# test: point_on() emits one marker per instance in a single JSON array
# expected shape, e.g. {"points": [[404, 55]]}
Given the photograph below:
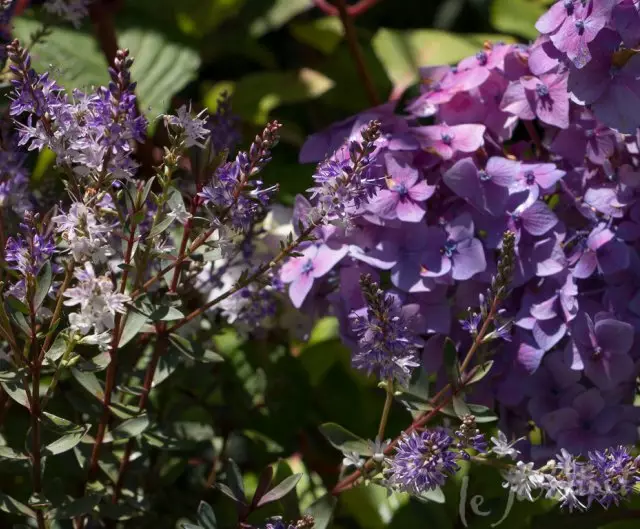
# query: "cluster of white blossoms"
{"points": [[86, 235], [98, 305]]}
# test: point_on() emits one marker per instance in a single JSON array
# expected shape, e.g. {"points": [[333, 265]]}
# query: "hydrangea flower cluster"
{"points": [[541, 141]]}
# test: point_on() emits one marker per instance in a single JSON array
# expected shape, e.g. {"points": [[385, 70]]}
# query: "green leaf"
{"points": [[13, 506], [57, 349], [322, 511], [517, 17], [162, 68], [266, 476], [206, 517], [89, 382], [73, 508], [323, 34], [257, 94], [6, 452], [75, 56], [134, 324], [281, 489], [479, 372], [235, 483], [451, 361], [43, 284], [16, 391], [482, 413], [277, 15], [59, 424], [66, 442], [435, 495], [371, 506], [403, 52], [194, 350], [160, 227], [165, 313], [129, 428], [460, 407], [344, 440]]}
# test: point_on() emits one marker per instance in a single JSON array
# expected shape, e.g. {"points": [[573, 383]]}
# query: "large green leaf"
{"points": [[517, 17], [74, 56], [161, 68], [278, 14], [323, 34], [403, 52], [257, 94]]}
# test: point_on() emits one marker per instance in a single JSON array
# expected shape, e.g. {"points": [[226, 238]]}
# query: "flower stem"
{"points": [[356, 51], [385, 411], [438, 402], [113, 365]]}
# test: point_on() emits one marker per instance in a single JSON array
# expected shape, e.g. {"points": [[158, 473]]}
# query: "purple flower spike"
{"points": [[405, 194], [447, 141], [301, 272], [601, 349], [422, 461]]}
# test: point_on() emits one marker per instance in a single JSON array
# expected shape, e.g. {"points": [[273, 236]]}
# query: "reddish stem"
{"points": [[354, 11], [356, 51], [113, 366]]}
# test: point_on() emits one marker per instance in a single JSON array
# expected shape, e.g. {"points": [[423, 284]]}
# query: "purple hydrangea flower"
{"points": [[486, 189], [544, 97], [453, 250], [301, 272], [405, 194], [601, 349], [448, 141], [572, 24]]}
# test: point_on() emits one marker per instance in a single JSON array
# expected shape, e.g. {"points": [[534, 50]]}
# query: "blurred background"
{"points": [[281, 59]]}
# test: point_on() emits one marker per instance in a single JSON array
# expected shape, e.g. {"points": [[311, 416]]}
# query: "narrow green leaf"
{"points": [[235, 482], [160, 227], [129, 428], [322, 511], [73, 508], [13, 506], [57, 349], [280, 490], [43, 284], [206, 517], [451, 361], [133, 325], [194, 350], [479, 372], [6, 452], [16, 392], [89, 382], [435, 495], [59, 424], [266, 477], [460, 407], [344, 440], [66, 442]]}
